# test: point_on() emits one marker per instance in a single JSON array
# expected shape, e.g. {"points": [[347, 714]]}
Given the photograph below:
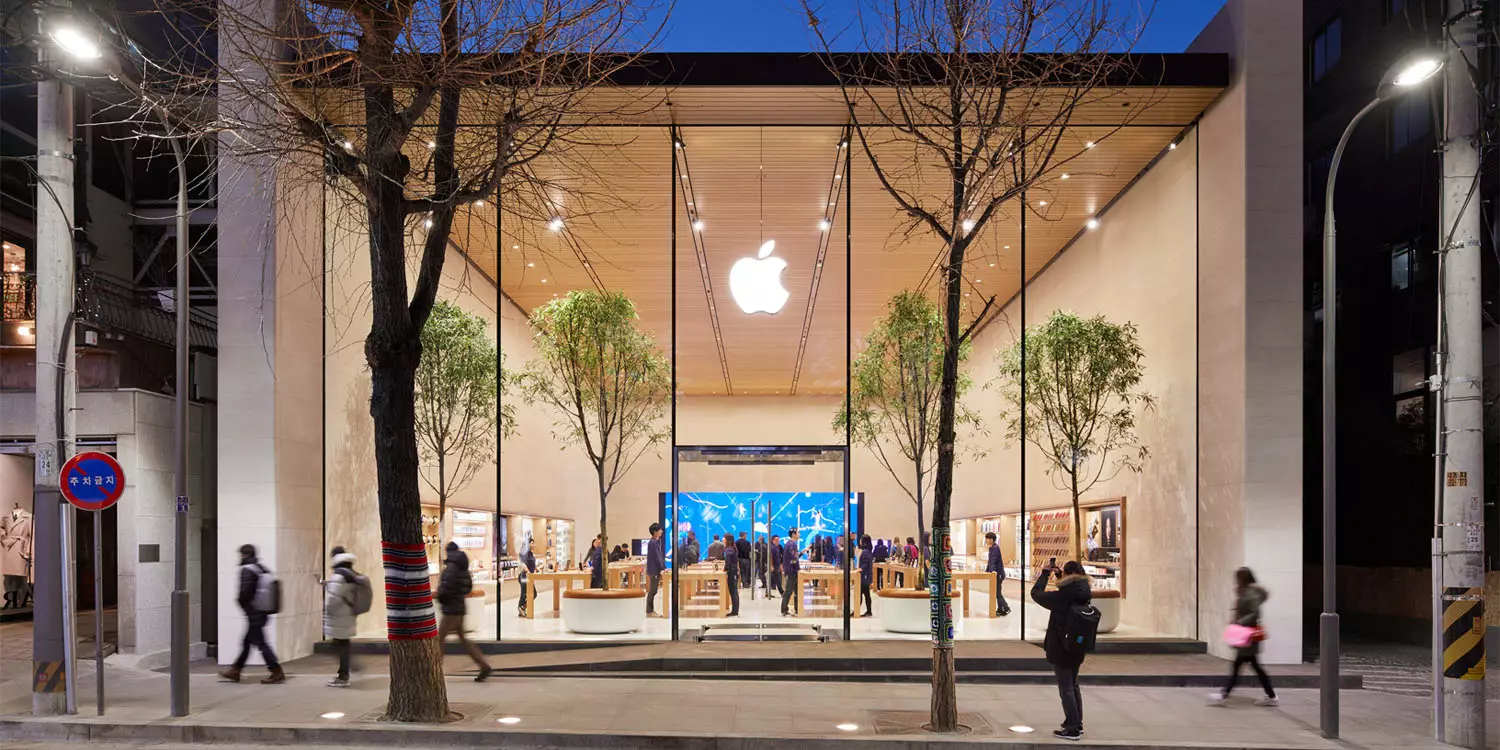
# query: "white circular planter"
{"points": [[599, 612], [907, 610], [1109, 604]]}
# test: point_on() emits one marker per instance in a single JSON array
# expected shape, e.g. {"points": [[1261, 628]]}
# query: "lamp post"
{"points": [[84, 45], [1406, 75]]}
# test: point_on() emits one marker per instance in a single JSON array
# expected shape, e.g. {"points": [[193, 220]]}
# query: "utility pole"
{"points": [[1461, 392], [52, 555]]}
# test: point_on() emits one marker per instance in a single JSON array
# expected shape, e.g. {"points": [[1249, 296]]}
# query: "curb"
{"points": [[428, 736]]}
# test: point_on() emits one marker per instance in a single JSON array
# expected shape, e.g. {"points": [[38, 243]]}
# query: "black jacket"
{"points": [[249, 576], [742, 546], [455, 583], [596, 567], [1071, 590]]}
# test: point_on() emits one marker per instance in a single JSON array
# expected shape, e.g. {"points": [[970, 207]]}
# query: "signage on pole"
{"points": [[92, 481]]}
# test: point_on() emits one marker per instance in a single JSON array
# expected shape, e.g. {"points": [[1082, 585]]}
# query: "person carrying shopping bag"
{"points": [[1245, 633]]}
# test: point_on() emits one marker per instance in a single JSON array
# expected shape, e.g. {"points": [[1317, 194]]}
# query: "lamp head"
{"points": [[80, 42], [1410, 72]]}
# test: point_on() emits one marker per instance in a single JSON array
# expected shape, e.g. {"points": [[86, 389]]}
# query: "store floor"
{"points": [[547, 625]]}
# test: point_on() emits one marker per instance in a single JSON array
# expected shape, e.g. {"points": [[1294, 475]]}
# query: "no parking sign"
{"points": [[92, 481]]}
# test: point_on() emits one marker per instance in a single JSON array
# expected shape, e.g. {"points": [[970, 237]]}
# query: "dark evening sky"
{"points": [[778, 26]]}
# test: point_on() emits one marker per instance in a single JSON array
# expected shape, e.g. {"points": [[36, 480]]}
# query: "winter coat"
{"points": [[15, 544], [866, 566], [1071, 590], [338, 599], [731, 565], [1247, 612], [250, 570], [881, 552], [455, 584], [596, 568]]}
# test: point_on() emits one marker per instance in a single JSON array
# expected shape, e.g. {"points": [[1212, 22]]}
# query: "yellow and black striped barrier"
{"points": [[1463, 633], [49, 677]]}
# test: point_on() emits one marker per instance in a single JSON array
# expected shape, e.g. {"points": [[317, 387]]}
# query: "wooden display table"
{"points": [[907, 573], [632, 572], [696, 579], [969, 576], [561, 579], [825, 578]]}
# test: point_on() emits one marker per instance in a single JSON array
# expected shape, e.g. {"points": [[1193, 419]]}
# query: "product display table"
{"points": [[561, 579], [695, 580], [968, 576], [632, 572], [909, 574], [827, 580]]}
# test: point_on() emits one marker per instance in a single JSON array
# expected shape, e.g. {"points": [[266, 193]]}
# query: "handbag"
{"points": [[1239, 636], [1260, 634]]}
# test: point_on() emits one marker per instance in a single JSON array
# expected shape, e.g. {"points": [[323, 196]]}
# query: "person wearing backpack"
{"points": [[1068, 637], [346, 596], [1249, 596], [453, 590], [260, 597]]}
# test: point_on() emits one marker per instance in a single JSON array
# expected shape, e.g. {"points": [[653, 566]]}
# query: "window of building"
{"points": [[1401, 266], [1410, 121], [1325, 49]]}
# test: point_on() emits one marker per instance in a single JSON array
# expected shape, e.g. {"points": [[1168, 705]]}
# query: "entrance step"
{"points": [[1021, 677], [750, 631]]}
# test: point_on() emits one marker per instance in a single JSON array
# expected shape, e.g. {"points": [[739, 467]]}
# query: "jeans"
{"points": [[1249, 657], [525, 586], [789, 590], [1071, 695], [1000, 604], [745, 573], [732, 582], [255, 635], [653, 583], [776, 579], [341, 646], [864, 596], [454, 625]]}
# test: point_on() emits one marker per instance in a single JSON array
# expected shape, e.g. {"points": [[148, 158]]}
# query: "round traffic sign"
{"points": [[92, 480]]}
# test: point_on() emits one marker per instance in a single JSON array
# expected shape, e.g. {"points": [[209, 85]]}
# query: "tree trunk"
{"points": [[603, 532], [944, 689], [921, 561], [442, 502], [1077, 520], [944, 693]]}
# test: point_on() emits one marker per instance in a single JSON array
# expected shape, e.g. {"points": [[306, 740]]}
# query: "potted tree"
{"points": [[1079, 381], [893, 407], [608, 385]]}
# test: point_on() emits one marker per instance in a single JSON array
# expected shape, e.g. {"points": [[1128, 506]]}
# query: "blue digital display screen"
{"points": [[762, 514]]}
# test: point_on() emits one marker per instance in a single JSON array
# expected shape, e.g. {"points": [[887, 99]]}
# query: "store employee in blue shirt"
{"points": [[656, 562], [789, 569], [996, 565]]}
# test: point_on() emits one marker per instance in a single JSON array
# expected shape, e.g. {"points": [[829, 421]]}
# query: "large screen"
{"points": [[762, 514]]}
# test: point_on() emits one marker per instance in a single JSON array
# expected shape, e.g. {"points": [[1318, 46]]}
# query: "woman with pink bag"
{"points": [[1244, 633]]}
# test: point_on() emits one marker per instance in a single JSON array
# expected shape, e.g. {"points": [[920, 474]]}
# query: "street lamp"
{"points": [[1406, 75], [85, 46]]}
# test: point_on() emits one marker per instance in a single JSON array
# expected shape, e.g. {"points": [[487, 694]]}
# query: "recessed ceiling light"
{"points": [[332, 715], [479, 203], [1093, 223], [556, 224], [698, 225], [1041, 203], [824, 225], [427, 223], [1065, 175], [531, 265], [1172, 146], [992, 265], [968, 225], [1007, 247], [516, 719], [846, 727], [348, 146], [544, 281], [431, 144], [1090, 144], [515, 247]]}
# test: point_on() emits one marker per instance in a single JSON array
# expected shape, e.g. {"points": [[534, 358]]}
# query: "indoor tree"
{"points": [[1079, 381], [456, 393], [961, 107], [894, 398], [417, 119], [606, 382]]}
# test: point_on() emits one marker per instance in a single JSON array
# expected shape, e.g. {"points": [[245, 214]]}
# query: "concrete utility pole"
{"points": [[1462, 391], [52, 555]]}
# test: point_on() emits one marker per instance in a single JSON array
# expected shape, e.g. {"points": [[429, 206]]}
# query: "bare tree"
{"points": [[961, 106], [420, 113]]}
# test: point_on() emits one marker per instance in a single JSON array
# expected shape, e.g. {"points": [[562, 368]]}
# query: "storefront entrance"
{"points": [[750, 499]]}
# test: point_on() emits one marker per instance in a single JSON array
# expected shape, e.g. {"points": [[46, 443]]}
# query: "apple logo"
{"points": [[755, 283]]}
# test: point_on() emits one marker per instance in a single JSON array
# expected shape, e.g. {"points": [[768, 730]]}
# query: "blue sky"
{"points": [[778, 26]]}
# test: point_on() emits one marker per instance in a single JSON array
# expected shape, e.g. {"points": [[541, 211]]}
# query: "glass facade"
{"points": [[760, 260]]}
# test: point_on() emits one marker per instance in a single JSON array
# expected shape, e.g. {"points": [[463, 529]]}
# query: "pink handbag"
{"points": [[1239, 636]]}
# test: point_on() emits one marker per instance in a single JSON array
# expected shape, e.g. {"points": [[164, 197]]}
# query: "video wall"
{"points": [[764, 514]]}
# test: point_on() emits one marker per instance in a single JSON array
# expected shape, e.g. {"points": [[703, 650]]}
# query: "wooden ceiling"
{"points": [[618, 196]]}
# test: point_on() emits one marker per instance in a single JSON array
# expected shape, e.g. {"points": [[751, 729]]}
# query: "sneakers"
{"points": [[484, 673], [1268, 701], [1217, 699], [1003, 612], [339, 682], [1064, 734]]}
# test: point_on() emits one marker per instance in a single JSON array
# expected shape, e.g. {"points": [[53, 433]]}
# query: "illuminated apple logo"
{"points": [[756, 282]]}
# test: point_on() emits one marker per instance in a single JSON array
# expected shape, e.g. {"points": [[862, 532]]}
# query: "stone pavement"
{"points": [[650, 713]]}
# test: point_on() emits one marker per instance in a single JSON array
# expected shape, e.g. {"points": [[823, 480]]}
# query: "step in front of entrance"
{"points": [[750, 631]]}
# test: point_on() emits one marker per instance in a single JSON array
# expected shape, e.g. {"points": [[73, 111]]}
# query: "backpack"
{"points": [[267, 598], [363, 597], [1080, 629]]}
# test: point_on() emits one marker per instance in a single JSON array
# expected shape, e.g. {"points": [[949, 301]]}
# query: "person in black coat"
{"points": [[881, 554], [742, 548], [775, 553], [996, 565], [255, 621], [656, 562], [790, 566], [453, 591], [528, 566], [732, 574], [761, 559], [596, 565], [1072, 589], [866, 574]]}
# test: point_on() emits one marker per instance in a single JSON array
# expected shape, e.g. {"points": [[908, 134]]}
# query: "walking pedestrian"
{"points": [[453, 591], [346, 596], [656, 562], [866, 574], [789, 568], [528, 566], [742, 550], [1073, 589], [775, 553], [996, 565], [1249, 596], [259, 597], [732, 570]]}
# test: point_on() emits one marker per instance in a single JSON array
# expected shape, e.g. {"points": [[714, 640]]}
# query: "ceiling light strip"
{"points": [[835, 189], [700, 251]]}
